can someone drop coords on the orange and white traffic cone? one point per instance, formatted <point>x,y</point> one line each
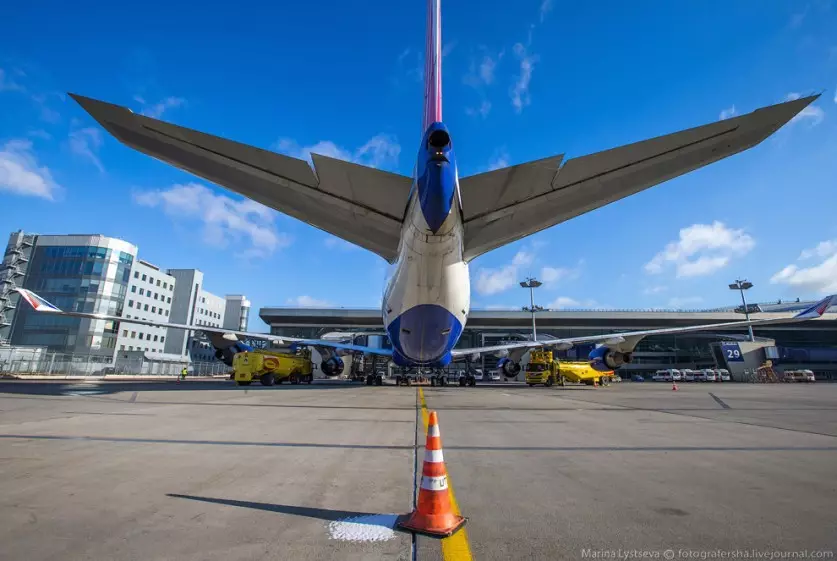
<point>673,386</point>
<point>434,514</point>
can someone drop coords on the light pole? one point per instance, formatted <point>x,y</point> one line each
<point>532,284</point>
<point>742,285</point>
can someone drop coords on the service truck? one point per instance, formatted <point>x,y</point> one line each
<point>271,367</point>
<point>544,369</point>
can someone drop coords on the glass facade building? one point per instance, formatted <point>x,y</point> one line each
<point>79,273</point>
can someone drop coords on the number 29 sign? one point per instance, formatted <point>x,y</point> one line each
<point>732,353</point>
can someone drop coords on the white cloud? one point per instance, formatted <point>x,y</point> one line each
<point>9,85</point>
<point>499,159</point>
<point>835,94</point>
<point>546,7</point>
<point>20,173</point>
<point>483,110</point>
<point>333,242</point>
<point>492,281</point>
<point>727,113</point>
<point>684,302</point>
<point>655,289</point>
<point>797,18</point>
<point>85,143</point>
<point>823,249</point>
<point>502,307</point>
<point>812,114</point>
<point>156,110</point>
<point>563,302</point>
<point>554,275</point>
<point>225,220</point>
<point>819,278</point>
<point>487,69</point>
<point>381,150</point>
<point>519,92</point>
<point>702,249</point>
<point>308,302</point>
<point>39,133</point>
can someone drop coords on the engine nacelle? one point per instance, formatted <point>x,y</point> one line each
<point>332,367</point>
<point>227,353</point>
<point>604,359</point>
<point>508,367</point>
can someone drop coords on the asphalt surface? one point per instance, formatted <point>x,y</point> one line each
<point>207,470</point>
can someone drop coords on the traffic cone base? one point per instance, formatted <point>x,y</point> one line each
<point>674,386</point>
<point>433,515</point>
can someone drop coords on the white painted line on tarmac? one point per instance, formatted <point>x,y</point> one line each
<point>368,528</point>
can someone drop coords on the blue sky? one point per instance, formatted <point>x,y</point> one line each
<point>521,82</point>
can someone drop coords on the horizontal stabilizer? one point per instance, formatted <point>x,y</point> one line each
<point>507,204</point>
<point>362,205</point>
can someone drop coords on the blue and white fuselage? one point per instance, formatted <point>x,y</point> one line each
<point>427,298</point>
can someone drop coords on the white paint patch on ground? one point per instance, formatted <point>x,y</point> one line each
<point>369,528</point>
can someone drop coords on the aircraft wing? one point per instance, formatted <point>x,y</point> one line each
<point>626,341</point>
<point>507,204</point>
<point>40,304</point>
<point>362,205</point>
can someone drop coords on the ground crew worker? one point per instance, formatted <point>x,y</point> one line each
<point>183,373</point>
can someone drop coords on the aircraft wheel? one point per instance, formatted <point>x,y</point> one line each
<point>531,385</point>
<point>267,379</point>
<point>549,382</point>
<point>408,382</point>
<point>243,383</point>
<point>472,382</point>
<point>309,379</point>
<point>462,382</point>
<point>379,381</point>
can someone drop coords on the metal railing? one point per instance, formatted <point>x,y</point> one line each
<point>16,361</point>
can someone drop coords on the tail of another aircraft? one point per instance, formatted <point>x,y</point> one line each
<point>433,65</point>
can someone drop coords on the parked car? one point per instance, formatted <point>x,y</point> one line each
<point>710,375</point>
<point>495,376</point>
<point>700,375</point>
<point>478,376</point>
<point>723,375</point>
<point>798,376</point>
<point>637,378</point>
<point>688,375</point>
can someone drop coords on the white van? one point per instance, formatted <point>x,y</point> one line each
<point>700,375</point>
<point>662,376</point>
<point>688,375</point>
<point>723,375</point>
<point>710,375</point>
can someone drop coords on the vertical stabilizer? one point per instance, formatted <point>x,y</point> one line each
<point>433,65</point>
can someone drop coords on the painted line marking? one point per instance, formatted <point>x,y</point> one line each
<point>720,402</point>
<point>456,547</point>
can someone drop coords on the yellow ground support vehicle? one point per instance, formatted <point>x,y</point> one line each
<point>544,369</point>
<point>270,367</point>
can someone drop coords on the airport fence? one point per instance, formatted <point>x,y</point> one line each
<point>28,361</point>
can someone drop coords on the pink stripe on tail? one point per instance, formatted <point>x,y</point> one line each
<point>433,65</point>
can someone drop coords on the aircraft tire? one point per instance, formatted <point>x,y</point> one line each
<point>268,379</point>
<point>462,382</point>
<point>243,383</point>
<point>379,381</point>
<point>472,382</point>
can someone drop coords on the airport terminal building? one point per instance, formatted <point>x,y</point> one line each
<point>811,344</point>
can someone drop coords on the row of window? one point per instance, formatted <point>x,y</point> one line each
<point>147,337</point>
<point>145,277</point>
<point>155,295</point>
<point>207,323</point>
<point>209,313</point>
<point>144,308</point>
<point>131,348</point>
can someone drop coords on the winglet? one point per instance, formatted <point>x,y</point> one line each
<point>38,304</point>
<point>817,309</point>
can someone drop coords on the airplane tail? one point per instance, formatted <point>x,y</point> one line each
<point>433,65</point>
<point>817,309</point>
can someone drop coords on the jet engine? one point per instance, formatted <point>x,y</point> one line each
<point>604,359</point>
<point>508,367</point>
<point>332,366</point>
<point>227,353</point>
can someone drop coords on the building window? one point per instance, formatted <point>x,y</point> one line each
<point>146,307</point>
<point>140,336</point>
<point>121,347</point>
<point>155,295</point>
<point>153,309</point>
<point>165,286</point>
<point>130,303</point>
<point>168,300</point>
<point>167,313</point>
<point>136,274</point>
<point>155,338</point>
<point>151,280</point>
<point>142,292</point>
<point>161,311</point>
<point>144,277</point>
<point>133,334</point>
<point>124,332</point>
<point>158,282</point>
<point>130,348</point>
<point>133,288</point>
<point>162,339</point>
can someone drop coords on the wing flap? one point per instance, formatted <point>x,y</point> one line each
<point>348,200</point>
<point>589,182</point>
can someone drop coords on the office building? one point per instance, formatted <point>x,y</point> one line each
<point>237,312</point>
<point>84,273</point>
<point>149,297</point>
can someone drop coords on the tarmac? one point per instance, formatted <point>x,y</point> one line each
<point>205,470</point>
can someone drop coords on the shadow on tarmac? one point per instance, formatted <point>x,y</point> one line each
<point>326,514</point>
<point>103,387</point>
